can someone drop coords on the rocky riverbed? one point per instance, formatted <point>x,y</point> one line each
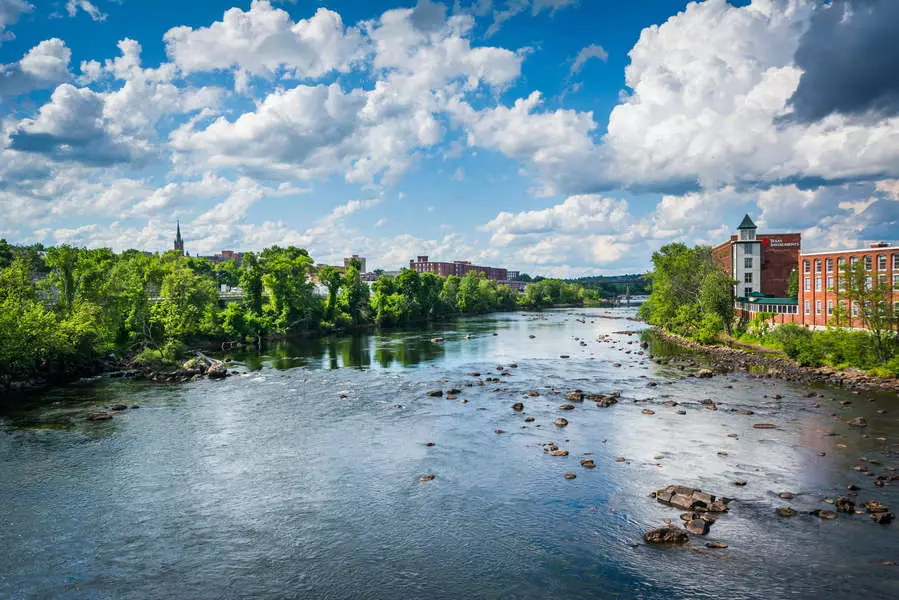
<point>480,465</point>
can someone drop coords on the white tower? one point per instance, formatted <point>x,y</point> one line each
<point>747,260</point>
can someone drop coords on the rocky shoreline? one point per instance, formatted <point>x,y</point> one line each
<point>735,359</point>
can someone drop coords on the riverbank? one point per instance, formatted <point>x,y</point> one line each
<point>773,365</point>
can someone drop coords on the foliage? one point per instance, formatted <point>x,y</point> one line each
<point>62,309</point>
<point>691,295</point>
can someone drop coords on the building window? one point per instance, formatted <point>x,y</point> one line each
<point>806,284</point>
<point>747,277</point>
<point>868,262</point>
<point>830,307</point>
<point>806,267</point>
<point>830,282</point>
<point>882,280</point>
<point>828,264</point>
<point>869,283</point>
<point>747,262</point>
<point>808,307</point>
<point>855,309</point>
<point>841,261</point>
<point>746,292</point>
<point>817,307</point>
<point>817,265</point>
<point>896,262</point>
<point>747,235</point>
<point>881,262</point>
<point>817,284</point>
<point>853,260</point>
<point>896,281</point>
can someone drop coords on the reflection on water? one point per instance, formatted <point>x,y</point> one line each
<point>300,478</point>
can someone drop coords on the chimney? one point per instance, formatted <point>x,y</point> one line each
<point>880,245</point>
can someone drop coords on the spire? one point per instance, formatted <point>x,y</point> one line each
<point>747,223</point>
<point>179,242</point>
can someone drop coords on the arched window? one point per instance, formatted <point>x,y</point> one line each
<point>806,267</point>
<point>868,262</point>
<point>817,265</point>
<point>881,262</point>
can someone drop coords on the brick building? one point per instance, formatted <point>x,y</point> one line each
<point>457,267</point>
<point>820,288</point>
<point>761,263</point>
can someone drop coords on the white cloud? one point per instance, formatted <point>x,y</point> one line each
<point>366,135</point>
<point>73,6</point>
<point>264,40</point>
<point>586,53</point>
<point>10,11</point>
<point>710,87</point>
<point>515,7</point>
<point>44,66</point>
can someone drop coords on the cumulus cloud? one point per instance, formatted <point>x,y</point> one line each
<point>367,135</point>
<point>849,60</point>
<point>72,127</point>
<point>44,66</point>
<point>10,11</point>
<point>265,41</point>
<point>586,53</point>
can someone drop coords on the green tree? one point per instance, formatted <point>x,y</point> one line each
<point>354,297</point>
<point>61,261</point>
<point>227,273</point>
<point>871,301</point>
<point>332,279</point>
<point>793,285</point>
<point>251,283</point>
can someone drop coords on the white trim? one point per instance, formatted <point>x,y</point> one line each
<point>875,250</point>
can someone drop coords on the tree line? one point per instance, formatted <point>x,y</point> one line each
<point>692,296</point>
<point>64,308</point>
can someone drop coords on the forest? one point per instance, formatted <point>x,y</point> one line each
<point>63,309</point>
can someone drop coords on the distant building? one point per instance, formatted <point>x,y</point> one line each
<point>179,242</point>
<point>458,267</point>
<point>226,255</point>
<point>361,259</point>
<point>760,264</point>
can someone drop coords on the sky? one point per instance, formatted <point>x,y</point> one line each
<point>554,137</point>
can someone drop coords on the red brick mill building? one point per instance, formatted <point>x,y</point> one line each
<point>762,264</point>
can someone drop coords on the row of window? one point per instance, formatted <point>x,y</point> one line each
<point>868,259</point>
<point>869,282</point>
<point>790,309</point>
<point>830,306</point>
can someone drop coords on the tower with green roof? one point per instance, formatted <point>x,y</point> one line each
<point>747,259</point>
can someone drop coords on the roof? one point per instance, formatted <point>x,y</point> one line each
<point>747,223</point>
<point>768,301</point>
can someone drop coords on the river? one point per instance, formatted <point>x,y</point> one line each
<point>300,477</point>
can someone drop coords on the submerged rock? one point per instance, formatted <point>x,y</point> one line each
<point>764,426</point>
<point>882,518</point>
<point>858,422</point>
<point>570,476</point>
<point>786,511</point>
<point>99,416</point>
<point>845,505</point>
<point>566,406</point>
<point>434,393</point>
<point>428,477</point>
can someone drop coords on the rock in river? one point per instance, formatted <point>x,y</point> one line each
<point>434,393</point>
<point>574,396</point>
<point>666,535</point>
<point>845,505</point>
<point>518,406</point>
<point>883,518</point>
<point>786,511</point>
<point>858,422</point>
<point>588,463</point>
<point>100,416</point>
<point>217,370</point>
<point>648,411</point>
<point>560,422</point>
<point>566,406</point>
<point>428,477</point>
<point>764,426</point>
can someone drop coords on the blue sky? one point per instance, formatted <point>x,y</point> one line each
<point>559,137</point>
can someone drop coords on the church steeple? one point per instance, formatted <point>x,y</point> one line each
<point>179,242</point>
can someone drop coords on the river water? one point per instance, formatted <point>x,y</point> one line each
<point>300,477</point>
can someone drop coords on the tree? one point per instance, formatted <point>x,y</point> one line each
<point>871,301</point>
<point>61,261</point>
<point>251,283</point>
<point>793,285</point>
<point>354,296</point>
<point>227,273</point>
<point>332,279</point>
